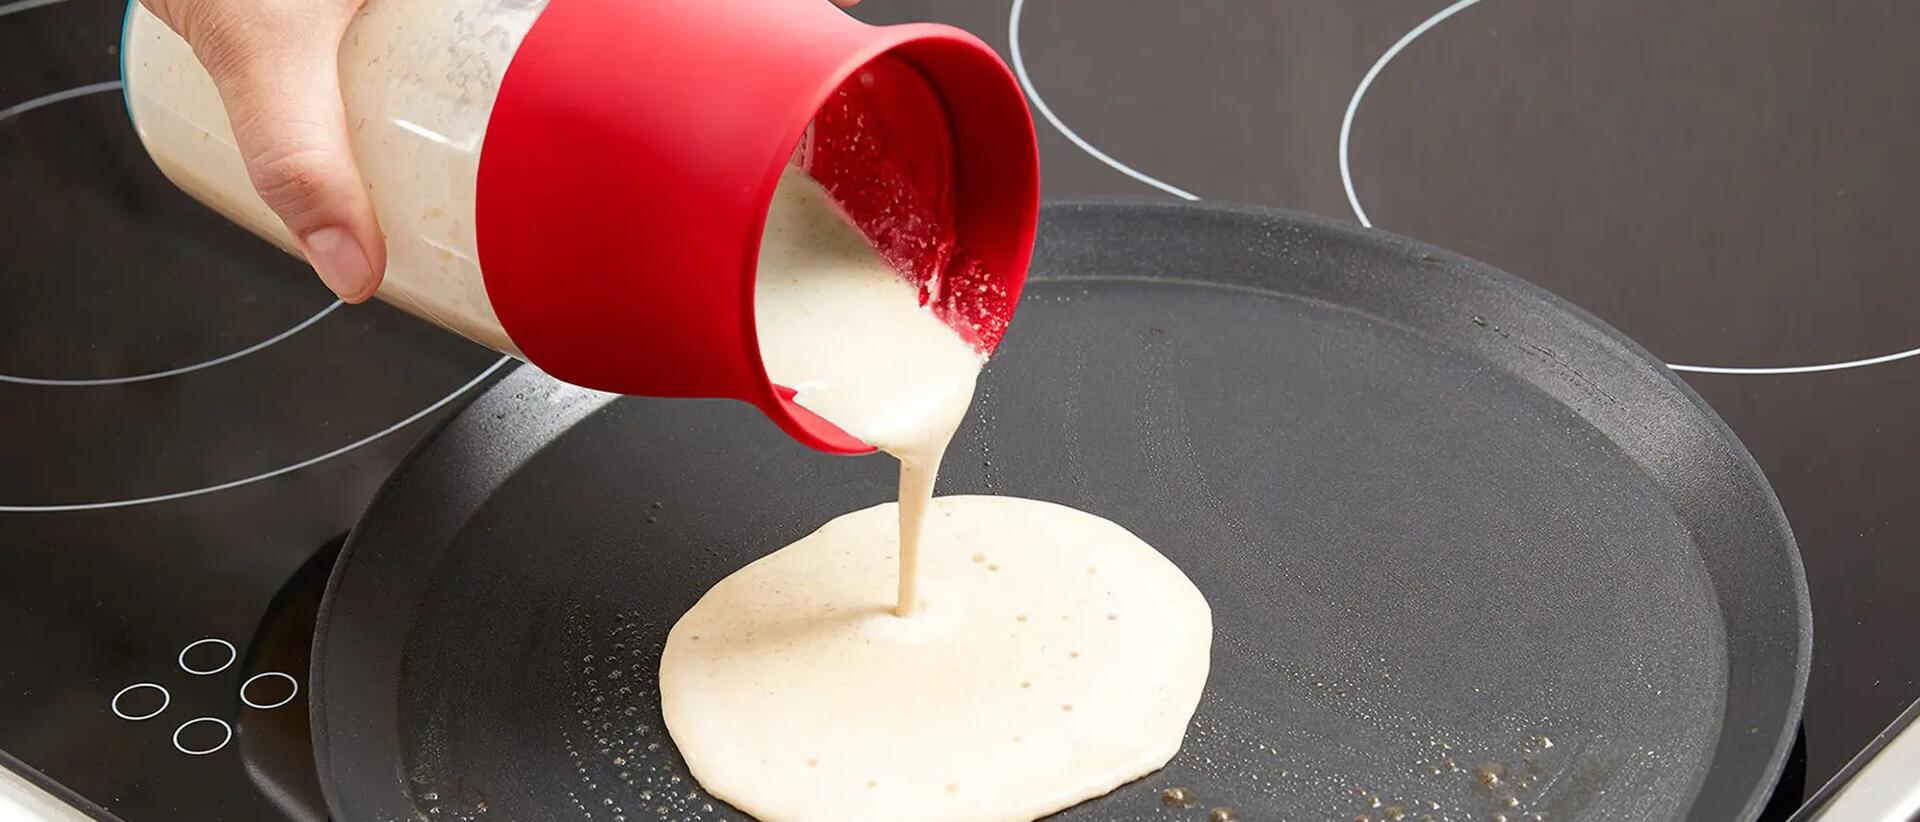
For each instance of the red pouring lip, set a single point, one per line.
(882, 146)
(619, 210)
(943, 183)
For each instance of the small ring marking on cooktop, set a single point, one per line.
(166, 698)
(231, 656)
(224, 727)
(292, 683)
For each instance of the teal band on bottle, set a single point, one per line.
(126, 30)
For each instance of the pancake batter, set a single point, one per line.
(841, 327)
(1058, 657)
(1048, 657)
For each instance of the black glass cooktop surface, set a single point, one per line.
(188, 424)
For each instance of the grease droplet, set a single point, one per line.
(1489, 774)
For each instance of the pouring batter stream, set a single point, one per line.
(1005, 678)
(841, 327)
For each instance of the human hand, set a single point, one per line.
(276, 64)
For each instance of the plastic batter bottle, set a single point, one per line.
(582, 183)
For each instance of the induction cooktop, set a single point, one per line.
(189, 423)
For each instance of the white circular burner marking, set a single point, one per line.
(1353, 199)
(185, 369)
(166, 699)
(1346, 170)
(1033, 94)
(45, 100)
(228, 729)
(231, 656)
(1366, 82)
(248, 701)
(1795, 369)
(98, 88)
(23, 5)
(285, 469)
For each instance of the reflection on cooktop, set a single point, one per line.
(276, 746)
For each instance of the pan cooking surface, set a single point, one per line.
(1449, 574)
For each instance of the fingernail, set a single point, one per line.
(341, 261)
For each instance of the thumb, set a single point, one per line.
(282, 95)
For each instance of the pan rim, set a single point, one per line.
(1748, 468)
(1345, 229)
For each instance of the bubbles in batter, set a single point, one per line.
(800, 656)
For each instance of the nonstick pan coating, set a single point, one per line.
(1468, 550)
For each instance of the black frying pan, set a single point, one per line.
(1469, 551)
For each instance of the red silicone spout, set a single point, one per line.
(634, 148)
(883, 147)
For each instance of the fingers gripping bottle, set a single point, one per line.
(583, 183)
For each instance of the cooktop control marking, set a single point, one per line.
(293, 686)
(225, 729)
(232, 654)
(166, 698)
